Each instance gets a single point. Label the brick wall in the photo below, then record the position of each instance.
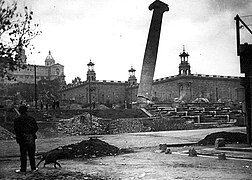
(192, 87)
(101, 92)
(163, 90)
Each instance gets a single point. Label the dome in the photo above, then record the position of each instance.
(184, 54)
(49, 56)
(49, 60)
(90, 63)
(132, 69)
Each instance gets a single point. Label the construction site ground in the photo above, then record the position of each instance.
(146, 162)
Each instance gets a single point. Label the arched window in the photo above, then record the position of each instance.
(57, 71)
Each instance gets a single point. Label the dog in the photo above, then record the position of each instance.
(54, 155)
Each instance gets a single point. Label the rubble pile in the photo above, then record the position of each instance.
(125, 126)
(81, 125)
(93, 148)
(85, 149)
(230, 137)
(5, 134)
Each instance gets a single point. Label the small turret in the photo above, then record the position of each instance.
(132, 78)
(184, 66)
(91, 75)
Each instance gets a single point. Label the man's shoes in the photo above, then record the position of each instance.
(35, 170)
(19, 171)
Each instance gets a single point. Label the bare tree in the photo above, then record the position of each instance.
(16, 32)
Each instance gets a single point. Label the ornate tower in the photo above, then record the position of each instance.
(184, 66)
(49, 60)
(132, 78)
(91, 73)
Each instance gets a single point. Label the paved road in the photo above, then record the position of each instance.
(147, 139)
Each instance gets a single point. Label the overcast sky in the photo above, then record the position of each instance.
(113, 34)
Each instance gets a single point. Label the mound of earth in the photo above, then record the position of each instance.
(85, 149)
(93, 148)
(230, 137)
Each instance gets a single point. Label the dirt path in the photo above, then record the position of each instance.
(146, 163)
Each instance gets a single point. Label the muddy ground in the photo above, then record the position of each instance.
(144, 163)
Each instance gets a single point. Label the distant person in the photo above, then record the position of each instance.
(53, 104)
(57, 105)
(47, 106)
(41, 105)
(25, 128)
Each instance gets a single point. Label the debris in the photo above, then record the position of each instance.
(168, 151)
(142, 175)
(85, 149)
(81, 125)
(162, 147)
(222, 156)
(5, 134)
(245, 166)
(219, 142)
(192, 152)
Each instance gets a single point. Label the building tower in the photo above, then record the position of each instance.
(49, 60)
(132, 78)
(91, 73)
(184, 66)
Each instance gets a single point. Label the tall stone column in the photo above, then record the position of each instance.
(151, 50)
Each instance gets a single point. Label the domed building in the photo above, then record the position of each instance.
(49, 71)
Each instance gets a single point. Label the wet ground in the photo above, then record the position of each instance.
(147, 161)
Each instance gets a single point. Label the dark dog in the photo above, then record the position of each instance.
(54, 155)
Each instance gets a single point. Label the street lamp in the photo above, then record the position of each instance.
(35, 85)
(90, 104)
(89, 76)
(35, 82)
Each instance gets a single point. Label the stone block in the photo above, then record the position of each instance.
(163, 147)
(192, 152)
(222, 156)
(168, 151)
(219, 142)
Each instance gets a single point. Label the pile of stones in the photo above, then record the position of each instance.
(81, 125)
(125, 125)
(85, 149)
(5, 134)
(93, 148)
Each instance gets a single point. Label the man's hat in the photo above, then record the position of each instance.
(23, 109)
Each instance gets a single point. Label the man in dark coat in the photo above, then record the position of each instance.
(25, 128)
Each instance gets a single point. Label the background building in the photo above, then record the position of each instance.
(48, 78)
(185, 86)
(49, 71)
